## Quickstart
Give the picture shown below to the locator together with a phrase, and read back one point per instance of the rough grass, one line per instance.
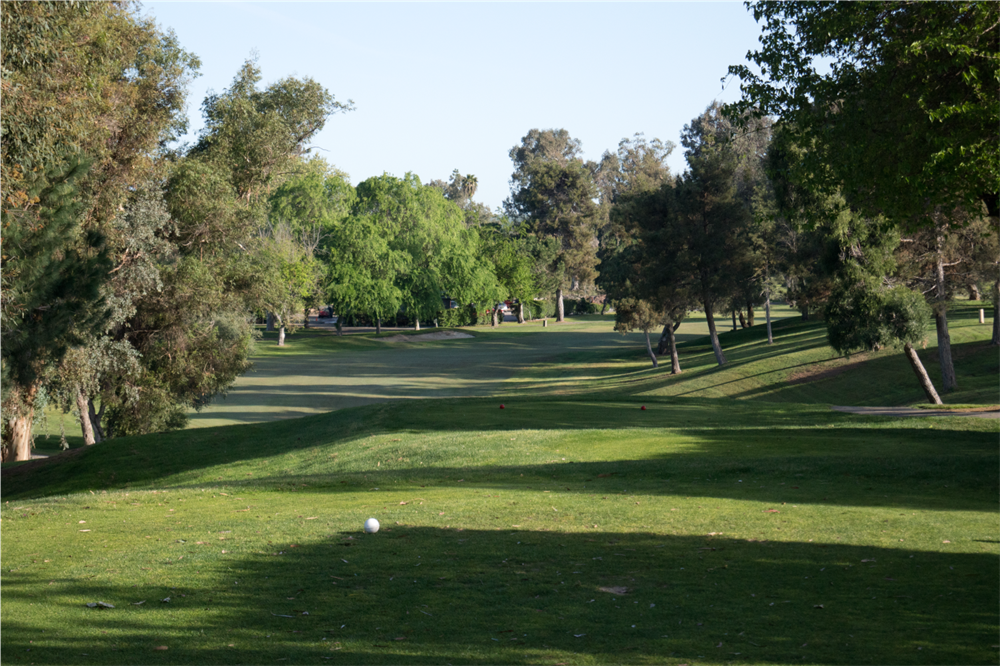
(728, 522)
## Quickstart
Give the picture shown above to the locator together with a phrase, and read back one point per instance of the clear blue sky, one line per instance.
(455, 85)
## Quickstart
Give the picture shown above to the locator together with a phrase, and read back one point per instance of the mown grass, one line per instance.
(746, 526)
(503, 523)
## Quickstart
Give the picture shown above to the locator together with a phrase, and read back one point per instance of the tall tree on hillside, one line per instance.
(52, 275)
(866, 310)
(638, 166)
(655, 271)
(554, 190)
(711, 212)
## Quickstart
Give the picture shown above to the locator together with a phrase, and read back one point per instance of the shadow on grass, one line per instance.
(427, 595)
(686, 447)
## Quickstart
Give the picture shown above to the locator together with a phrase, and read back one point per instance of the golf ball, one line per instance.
(371, 526)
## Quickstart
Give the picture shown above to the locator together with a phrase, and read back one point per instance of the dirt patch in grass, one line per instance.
(442, 335)
(826, 370)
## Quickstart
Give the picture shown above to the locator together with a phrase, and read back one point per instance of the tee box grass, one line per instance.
(571, 527)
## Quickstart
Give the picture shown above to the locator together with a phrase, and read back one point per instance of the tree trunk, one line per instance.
(675, 361)
(270, 321)
(340, 326)
(520, 313)
(82, 406)
(560, 310)
(664, 343)
(974, 294)
(734, 319)
(305, 318)
(416, 323)
(743, 321)
(767, 314)
(941, 316)
(996, 314)
(18, 435)
(804, 309)
(16, 444)
(918, 368)
(720, 358)
(493, 317)
(95, 420)
(649, 350)
(281, 336)
(378, 325)
(604, 306)
(749, 315)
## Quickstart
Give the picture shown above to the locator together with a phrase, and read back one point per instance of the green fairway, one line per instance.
(737, 519)
(318, 372)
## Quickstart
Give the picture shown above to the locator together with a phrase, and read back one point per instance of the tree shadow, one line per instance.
(748, 452)
(426, 595)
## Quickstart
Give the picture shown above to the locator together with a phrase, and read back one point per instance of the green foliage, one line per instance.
(632, 314)
(258, 134)
(904, 115)
(313, 201)
(454, 317)
(94, 79)
(554, 191)
(194, 338)
(52, 272)
(584, 306)
(537, 309)
(404, 246)
(289, 274)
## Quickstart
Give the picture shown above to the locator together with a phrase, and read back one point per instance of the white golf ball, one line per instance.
(371, 526)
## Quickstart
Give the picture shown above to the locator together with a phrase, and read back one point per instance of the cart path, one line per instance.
(911, 411)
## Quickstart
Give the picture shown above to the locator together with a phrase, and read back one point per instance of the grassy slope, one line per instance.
(758, 530)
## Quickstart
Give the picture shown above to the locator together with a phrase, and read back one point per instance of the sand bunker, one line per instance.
(443, 335)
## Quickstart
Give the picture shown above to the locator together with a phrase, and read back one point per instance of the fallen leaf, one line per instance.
(165, 601)
(400, 638)
(99, 604)
(579, 635)
(872, 560)
(139, 603)
(946, 541)
(772, 511)
(161, 647)
(312, 517)
(614, 590)
(84, 530)
(401, 504)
